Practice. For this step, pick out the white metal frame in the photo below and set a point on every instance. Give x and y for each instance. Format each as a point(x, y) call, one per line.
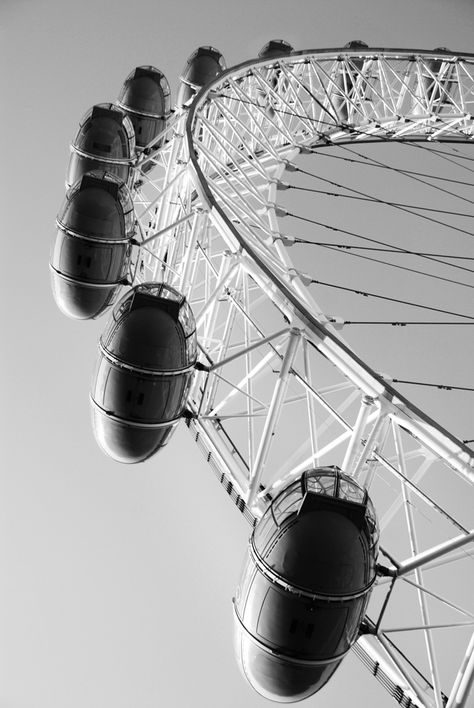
point(277, 390)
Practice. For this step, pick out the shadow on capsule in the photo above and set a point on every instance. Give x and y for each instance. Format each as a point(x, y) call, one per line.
point(310, 568)
point(145, 99)
point(105, 141)
point(204, 65)
point(91, 253)
point(147, 355)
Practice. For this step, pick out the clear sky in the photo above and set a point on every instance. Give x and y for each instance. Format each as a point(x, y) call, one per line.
point(116, 582)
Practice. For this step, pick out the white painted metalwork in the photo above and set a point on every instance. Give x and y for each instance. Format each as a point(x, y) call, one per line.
point(277, 390)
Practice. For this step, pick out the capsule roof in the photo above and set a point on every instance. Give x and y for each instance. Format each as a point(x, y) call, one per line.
point(151, 328)
point(105, 131)
point(99, 205)
point(275, 47)
point(356, 44)
point(105, 141)
point(204, 64)
point(327, 505)
point(146, 90)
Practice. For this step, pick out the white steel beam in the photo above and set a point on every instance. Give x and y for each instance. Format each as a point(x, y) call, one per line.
point(273, 415)
point(421, 559)
point(352, 451)
point(461, 692)
point(417, 628)
point(418, 575)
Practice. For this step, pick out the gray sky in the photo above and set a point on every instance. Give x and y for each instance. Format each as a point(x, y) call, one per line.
point(116, 582)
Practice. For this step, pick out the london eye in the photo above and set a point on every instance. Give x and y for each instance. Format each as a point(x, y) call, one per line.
point(184, 226)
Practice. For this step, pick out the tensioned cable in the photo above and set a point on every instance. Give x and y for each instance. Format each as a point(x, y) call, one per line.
point(351, 130)
point(398, 324)
point(348, 247)
point(383, 201)
point(386, 138)
point(407, 143)
point(373, 240)
point(371, 162)
point(444, 387)
point(463, 157)
point(442, 155)
point(335, 123)
point(399, 267)
point(406, 208)
point(434, 257)
point(376, 200)
point(391, 299)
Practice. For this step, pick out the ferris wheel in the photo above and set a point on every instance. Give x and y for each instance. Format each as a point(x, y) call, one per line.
point(359, 500)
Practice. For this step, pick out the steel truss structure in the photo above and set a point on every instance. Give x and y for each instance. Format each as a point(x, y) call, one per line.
point(276, 390)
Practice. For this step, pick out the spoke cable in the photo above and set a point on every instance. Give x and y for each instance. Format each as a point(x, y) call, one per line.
point(443, 387)
point(371, 162)
point(443, 156)
point(398, 323)
point(383, 201)
point(390, 299)
point(352, 130)
point(348, 247)
point(399, 267)
point(403, 207)
point(369, 198)
point(372, 240)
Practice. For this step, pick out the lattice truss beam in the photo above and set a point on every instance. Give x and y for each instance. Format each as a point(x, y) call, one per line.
point(277, 391)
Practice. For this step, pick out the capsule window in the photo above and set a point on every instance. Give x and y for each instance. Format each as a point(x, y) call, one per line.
point(101, 146)
point(105, 263)
point(322, 484)
point(307, 629)
point(191, 348)
point(287, 504)
point(150, 399)
point(351, 491)
point(310, 630)
point(186, 318)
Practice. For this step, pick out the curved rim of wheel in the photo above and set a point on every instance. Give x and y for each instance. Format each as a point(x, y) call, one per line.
point(389, 127)
point(217, 169)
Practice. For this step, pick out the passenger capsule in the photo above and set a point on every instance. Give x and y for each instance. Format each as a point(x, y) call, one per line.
point(105, 141)
point(145, 98)
point(147, 356)
point(92, 248)
point(347, 79)
point(202, 67)
point(275, 48)
point(305, 586)
point(438, 78)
